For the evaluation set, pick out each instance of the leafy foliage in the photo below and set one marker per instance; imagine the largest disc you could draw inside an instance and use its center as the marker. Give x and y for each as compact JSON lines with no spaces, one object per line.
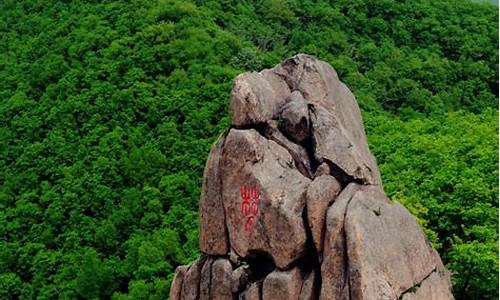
{"x":108,"y":111}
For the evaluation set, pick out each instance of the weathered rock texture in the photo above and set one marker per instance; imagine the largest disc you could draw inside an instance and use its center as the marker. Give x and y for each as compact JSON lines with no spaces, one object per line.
{"x":292,"y":204}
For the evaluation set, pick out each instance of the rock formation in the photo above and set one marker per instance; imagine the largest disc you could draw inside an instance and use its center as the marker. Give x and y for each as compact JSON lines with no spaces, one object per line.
{"x":292,"y":204}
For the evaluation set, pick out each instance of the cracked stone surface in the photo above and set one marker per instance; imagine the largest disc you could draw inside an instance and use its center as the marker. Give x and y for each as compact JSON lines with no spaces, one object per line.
{"x":292,"y":203}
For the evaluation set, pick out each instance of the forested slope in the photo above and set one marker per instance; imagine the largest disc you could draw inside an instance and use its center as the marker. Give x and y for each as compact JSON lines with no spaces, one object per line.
{"x":108,"y":110}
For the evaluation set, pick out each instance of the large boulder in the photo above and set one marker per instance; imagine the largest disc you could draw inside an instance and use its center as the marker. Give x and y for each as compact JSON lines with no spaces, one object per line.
{"x":256,"y":98}
{"x":264,"y":198}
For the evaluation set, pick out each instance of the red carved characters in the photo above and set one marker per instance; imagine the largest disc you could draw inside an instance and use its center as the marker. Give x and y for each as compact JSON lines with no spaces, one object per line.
{"x":250,"y":205}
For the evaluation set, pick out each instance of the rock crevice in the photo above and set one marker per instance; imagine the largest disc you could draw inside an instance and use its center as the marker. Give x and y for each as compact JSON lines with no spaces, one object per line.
{"x":292,"y":203}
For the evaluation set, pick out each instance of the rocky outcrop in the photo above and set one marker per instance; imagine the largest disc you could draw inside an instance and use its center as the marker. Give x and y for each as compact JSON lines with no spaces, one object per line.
{"x":292,"y":203}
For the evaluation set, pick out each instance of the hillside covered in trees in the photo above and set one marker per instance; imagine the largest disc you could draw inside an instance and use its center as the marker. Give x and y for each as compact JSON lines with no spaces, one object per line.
{"x":108,"y":111}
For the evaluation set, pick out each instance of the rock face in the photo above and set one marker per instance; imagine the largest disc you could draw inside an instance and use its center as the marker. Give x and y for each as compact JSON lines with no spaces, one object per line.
{"x":292,"y":203}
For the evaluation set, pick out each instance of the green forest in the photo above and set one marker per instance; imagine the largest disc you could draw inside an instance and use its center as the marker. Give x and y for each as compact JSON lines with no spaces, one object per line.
{"x":108,"y":110}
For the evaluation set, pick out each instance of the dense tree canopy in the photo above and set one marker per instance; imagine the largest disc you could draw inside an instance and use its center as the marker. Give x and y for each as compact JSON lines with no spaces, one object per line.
{"x":108,"y":110}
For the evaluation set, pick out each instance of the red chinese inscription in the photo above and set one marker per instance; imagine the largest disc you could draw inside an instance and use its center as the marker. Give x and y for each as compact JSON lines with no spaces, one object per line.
{"x":249,"y":205}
